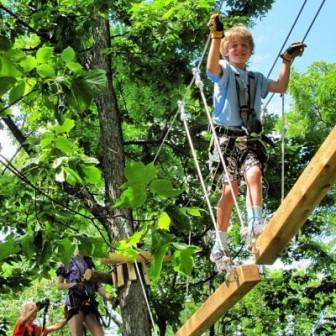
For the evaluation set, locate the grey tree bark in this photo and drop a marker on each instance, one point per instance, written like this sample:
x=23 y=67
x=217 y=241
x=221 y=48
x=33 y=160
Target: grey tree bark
x=133 y=305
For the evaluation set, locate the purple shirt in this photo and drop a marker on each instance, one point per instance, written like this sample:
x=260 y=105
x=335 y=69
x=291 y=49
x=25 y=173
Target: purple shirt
x=74 y=272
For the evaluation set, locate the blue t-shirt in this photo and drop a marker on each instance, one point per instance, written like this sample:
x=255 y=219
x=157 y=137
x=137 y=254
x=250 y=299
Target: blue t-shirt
x=226 y=107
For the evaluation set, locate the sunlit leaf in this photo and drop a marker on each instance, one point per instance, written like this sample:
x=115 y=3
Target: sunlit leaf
x=138 y=172
x=156 y=262
x=64 y=145
x=74 y=67
x=91 y=174
x=68 y=55
x=29 y=63
x=45 y=71
x=66 y=127
x=133 y=197
x=44 y=54
x=164 y=221
x=72 y=177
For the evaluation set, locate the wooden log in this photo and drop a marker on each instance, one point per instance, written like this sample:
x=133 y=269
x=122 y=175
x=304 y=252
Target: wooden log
x=119 y=258
x=305 y=195
x=93 y=276
x=247 y=276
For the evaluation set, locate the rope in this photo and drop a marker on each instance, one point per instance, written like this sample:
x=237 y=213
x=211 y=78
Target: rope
x=287 y=37
x=145 y=295
x=311 y=24
x=184 y=118
x=304 y=38
x=188 y=87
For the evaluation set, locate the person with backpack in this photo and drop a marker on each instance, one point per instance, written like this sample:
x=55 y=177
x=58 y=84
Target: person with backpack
x=81 y=307
x=237 y=120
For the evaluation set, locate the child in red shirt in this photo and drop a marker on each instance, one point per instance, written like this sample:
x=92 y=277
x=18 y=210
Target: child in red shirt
x=25 y=326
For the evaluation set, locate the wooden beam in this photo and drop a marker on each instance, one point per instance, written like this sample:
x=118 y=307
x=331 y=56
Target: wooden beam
x=247 y=276
x=119 y=258
x=305 y=195
x=93 y=276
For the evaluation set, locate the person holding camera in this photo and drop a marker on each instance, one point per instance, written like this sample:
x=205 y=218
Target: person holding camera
x=25 y=325
x=81 y=307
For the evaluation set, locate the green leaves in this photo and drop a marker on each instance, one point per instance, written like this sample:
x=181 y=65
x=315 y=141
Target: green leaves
x=6 y=83
x=164 y=188
x=183 y=259
x=8 y=248
x=5 y=43
x=140 y=180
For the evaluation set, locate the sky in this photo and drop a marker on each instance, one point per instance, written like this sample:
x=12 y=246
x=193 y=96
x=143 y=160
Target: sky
x=270 y=33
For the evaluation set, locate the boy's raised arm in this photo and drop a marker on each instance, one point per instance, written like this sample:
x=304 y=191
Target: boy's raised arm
x=216 y=34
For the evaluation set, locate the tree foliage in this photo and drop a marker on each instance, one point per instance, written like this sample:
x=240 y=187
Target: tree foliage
x=63 y=77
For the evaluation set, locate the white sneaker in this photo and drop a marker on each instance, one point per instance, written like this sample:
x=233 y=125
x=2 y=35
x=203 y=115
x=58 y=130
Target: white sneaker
x=252 y=232
x=221 y=259
x=255 y=229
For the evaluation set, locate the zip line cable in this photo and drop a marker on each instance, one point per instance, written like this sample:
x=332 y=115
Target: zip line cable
x=287 y=37
x=282 y=95
x=311 y=24
x=304 y=38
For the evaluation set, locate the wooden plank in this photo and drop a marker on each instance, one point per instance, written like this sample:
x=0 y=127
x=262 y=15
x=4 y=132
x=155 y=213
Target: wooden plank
x=247 y=276
x=120 y=276
x=131 y=272
x=114 y=278
x=119 y=258
x=145 y=273
x=305 y=195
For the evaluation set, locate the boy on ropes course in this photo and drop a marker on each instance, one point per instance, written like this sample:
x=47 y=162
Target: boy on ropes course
x=25 y=325
x=237 y=121
x=81 y=307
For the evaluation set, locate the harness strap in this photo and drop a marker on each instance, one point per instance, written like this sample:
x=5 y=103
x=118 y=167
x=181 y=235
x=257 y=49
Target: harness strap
x=246 y=99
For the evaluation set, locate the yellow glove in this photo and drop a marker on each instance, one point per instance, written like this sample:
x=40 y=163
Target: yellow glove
x=216 y=27
x=294 y=50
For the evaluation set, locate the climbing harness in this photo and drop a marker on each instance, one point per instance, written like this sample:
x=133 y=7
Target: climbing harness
x=246 y=98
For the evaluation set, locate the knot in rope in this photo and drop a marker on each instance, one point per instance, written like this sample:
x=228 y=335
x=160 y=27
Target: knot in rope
x=198 y=80
x=184 y=116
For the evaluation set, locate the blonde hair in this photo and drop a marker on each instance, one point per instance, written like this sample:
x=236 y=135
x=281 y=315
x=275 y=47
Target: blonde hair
x=26 y=309
x=236 y=31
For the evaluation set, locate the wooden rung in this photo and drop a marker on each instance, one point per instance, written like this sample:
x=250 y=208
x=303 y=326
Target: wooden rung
x=305 y=195
x=93 y=276
x=131 y=272
x=145 y=274
x=120 y=276
x=247 y=276
x=114 y=278
x=119 y=258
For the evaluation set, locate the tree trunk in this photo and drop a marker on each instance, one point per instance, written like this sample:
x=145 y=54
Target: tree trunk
x=133 y=305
